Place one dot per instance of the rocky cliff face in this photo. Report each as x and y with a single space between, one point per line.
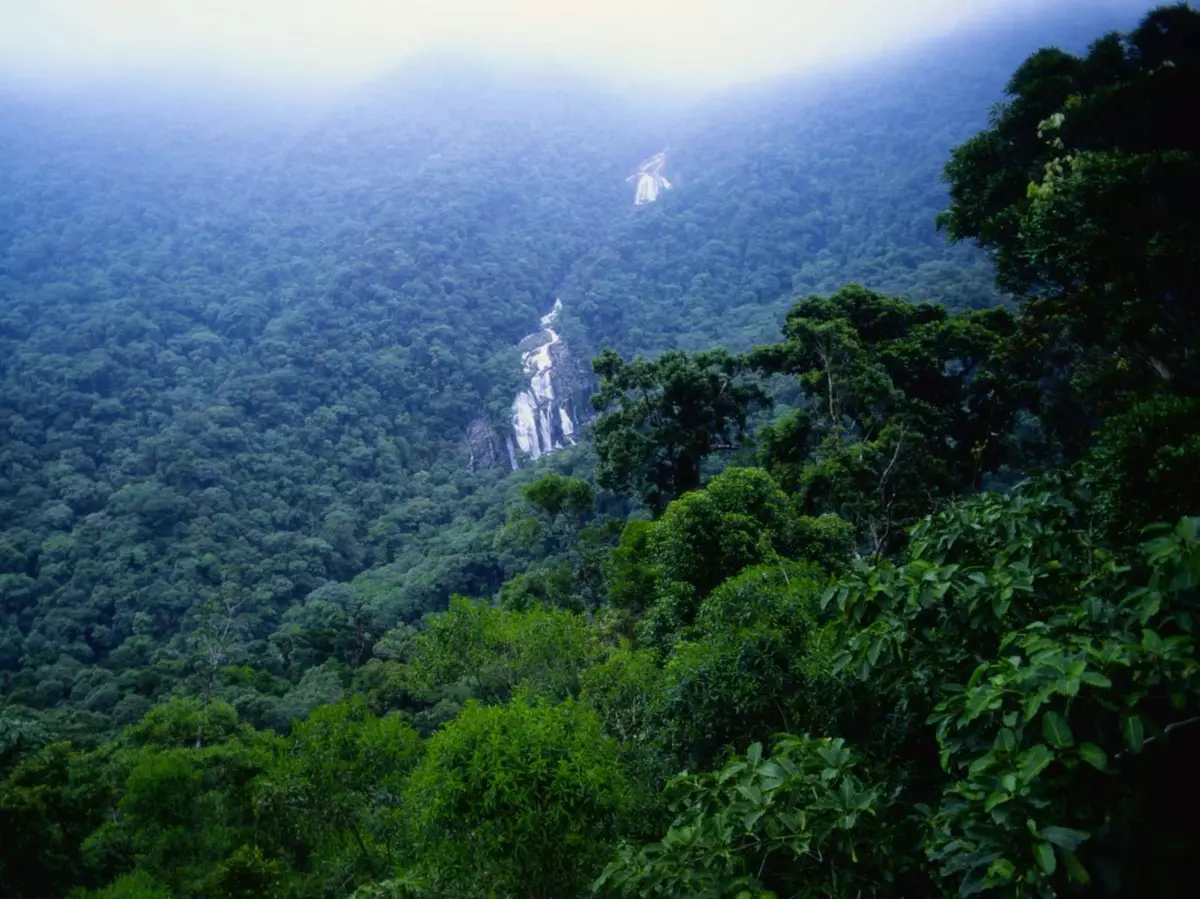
487 448
545 415
650 179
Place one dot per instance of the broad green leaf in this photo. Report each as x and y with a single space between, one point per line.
751 792
1033 761
995 799
1032 704
1056 731
1095 679
980 765
1149 607
1002 869
873 650
1044 853
1065 837
771 776
1133 732
977 675
979 700
1076 871
1152 641
1093 755
1006 741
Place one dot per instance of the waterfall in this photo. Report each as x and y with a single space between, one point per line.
534 417
649 179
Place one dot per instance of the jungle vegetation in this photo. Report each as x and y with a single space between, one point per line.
898 601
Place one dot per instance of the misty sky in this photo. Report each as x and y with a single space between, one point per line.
699 43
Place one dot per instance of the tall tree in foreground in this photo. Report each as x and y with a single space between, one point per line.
905 402
661 417
516 800
1084 190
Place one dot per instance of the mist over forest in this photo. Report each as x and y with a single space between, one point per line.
496 478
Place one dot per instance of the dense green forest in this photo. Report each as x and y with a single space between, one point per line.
876 575
239 356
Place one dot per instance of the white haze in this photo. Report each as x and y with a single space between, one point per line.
697 44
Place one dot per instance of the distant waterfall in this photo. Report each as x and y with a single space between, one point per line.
541 423
649 179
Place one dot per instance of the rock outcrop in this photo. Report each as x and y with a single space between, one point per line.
486 447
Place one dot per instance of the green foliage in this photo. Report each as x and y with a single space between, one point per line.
49 803
331 797
240 351
1078 661
519 799
623 689
1043 741
741 518
491 653
660 418
137 885
802 822
232 481
1080 191
18 736
745 670
784 447
184 810
631 576
555 493
905 401
1143 467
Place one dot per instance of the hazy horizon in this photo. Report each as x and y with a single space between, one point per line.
692 45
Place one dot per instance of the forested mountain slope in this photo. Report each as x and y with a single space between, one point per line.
220 370
239 353
805 184
928 630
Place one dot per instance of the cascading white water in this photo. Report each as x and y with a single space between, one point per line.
650 179
525 423
533 409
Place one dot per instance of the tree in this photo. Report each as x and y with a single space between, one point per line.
1081 191
1044 663
739 519
803 822
184 812
521 799
904 402
556 493
1143 465
331 797
49 803
748 668
660 418
488 653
